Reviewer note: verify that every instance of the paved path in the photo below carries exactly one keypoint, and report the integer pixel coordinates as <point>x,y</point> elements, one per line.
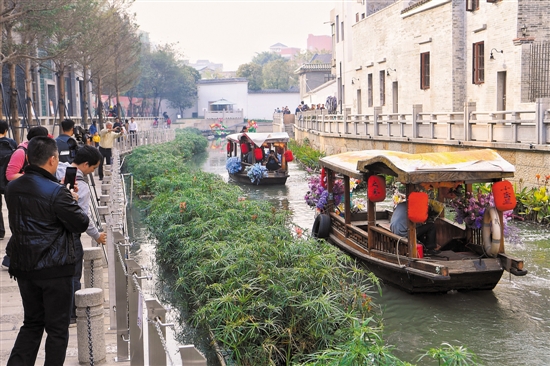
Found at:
<point>11,314</point>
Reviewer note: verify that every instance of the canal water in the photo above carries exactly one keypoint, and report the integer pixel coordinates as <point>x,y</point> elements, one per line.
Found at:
<point>508,326</point>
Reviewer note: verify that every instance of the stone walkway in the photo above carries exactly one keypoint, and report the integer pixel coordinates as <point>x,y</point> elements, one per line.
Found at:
<point>11,314</point>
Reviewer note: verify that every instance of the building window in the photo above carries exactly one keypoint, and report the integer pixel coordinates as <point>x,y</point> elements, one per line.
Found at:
<point>369,90</point>
<point>425,70</point>
<point>382,87</point>
<point>478,63</point>
<point>356,17</point>
<point>342,30</point>
<point>472,5</point>
<point>337,29</point>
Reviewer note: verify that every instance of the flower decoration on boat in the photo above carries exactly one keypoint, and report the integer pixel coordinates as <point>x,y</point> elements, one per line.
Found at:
<point>470,208</point>
<point>357,205</point>
<point>256,172</point>
<point>317,196</point>
<point>252,126</point>
<point>233,165</point>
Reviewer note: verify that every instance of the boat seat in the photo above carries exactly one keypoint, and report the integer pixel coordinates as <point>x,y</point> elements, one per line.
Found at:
<point>383,224</point>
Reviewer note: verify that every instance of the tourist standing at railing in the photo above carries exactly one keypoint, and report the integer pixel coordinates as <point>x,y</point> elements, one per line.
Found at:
<point>86,161</point>
<point>43,216</point>
<point>132,130</point>
<point>107,139</point>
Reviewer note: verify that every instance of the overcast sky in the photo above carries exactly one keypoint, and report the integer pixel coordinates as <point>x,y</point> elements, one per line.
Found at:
<point>232,32</point>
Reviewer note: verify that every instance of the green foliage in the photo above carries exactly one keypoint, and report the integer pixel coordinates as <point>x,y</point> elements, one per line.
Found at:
<point>253,72</point>
<point>448,355</point>
<point>276,74</point>
<point>305,154</point>
<point>533,203</point>
<point>151,161</point>
<point>267,296</point>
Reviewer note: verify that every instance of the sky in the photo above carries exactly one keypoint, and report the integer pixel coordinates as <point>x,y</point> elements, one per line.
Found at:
<point>231,32</point>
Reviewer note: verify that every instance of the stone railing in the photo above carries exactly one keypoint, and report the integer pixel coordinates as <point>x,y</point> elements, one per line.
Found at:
<point>522,129</point>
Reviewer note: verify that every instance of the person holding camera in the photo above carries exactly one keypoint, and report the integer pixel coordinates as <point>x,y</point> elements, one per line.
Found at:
<point>107,138</point>
<point>272,161</point>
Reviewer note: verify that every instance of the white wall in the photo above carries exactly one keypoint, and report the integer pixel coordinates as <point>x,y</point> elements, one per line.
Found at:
<point>235,92</point>
<point>262,105</point>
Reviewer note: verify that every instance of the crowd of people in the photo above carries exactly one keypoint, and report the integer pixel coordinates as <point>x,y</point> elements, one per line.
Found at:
<point>48,210</point>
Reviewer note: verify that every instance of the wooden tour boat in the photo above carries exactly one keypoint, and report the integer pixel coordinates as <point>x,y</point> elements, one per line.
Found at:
<point>250,150</point>
<point>470,259</point>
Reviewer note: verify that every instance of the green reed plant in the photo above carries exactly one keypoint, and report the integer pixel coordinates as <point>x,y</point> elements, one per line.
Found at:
<point>305,154</point>
<point>448,355</point>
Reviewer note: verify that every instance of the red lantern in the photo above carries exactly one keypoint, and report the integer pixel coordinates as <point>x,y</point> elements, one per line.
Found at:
<point>244,148</point>
<point>323,176</point>
<point>258,154</point>
<point>417,207</point>
<point>503,193</point>
<point>288,156</point>
<point>229,147</point>
<point>376,191</point>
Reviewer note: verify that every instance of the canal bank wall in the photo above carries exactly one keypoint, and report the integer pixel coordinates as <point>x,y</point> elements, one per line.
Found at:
<point>520,137</point>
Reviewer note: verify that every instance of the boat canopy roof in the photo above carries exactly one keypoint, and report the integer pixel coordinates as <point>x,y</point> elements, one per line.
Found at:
<point>469,165</point>
<point>259,138</point>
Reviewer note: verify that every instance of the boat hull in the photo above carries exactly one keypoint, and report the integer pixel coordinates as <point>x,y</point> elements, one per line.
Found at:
<point>470,275</point>
<point>273,178</point>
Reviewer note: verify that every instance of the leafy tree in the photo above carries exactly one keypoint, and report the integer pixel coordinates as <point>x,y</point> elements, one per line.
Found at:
<point>266,57</point>
<point>183,91</point>
<point>253,72</point>
<point>276,74</point>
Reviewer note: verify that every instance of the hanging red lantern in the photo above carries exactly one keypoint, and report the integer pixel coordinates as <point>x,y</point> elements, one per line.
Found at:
<point>323,176</point>
<point>258,154</point>
<point>288,156</point>
<point>417,207</point>
<point>376,191</point>
<point>503,193</point>
<point>229,147</point>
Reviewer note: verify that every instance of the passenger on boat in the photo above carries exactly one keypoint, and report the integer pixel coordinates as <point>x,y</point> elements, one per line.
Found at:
<point>245,148</point>
<point>272,161</point>
<point>425,233</point>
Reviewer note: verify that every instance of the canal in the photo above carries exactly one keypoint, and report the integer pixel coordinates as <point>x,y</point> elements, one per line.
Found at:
<point>507,326</point>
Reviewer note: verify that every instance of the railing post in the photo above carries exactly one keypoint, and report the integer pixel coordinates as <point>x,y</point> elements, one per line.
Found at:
<point>93,267</point>
<point>156,313</point>
<point>469,108</point>
<point>135,313</point>
<point>377,112</point>
<point>89,326</point>
<point>541,106</point>
<point>417,109</point>
<point>191,356</point>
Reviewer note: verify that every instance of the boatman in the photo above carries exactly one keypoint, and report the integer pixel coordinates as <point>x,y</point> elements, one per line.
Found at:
<point>425,233</point>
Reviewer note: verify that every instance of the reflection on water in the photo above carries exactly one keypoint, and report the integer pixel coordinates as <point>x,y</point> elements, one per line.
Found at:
<point>507,326</point>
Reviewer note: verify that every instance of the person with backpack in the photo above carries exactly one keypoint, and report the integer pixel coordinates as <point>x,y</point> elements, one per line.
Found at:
<point>66,144</point>
<point>17,164</point>
<point>7,147</point>
<point>18,160</point>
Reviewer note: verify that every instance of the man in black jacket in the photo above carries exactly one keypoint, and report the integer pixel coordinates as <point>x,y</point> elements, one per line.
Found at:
<point>43,215</point>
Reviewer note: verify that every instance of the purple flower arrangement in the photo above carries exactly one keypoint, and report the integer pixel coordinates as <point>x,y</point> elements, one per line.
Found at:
<point>470,208</point>
<point>317,196</point>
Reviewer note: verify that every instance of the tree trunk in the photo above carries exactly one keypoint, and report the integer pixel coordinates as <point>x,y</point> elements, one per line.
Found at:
<point>1,62</point>
<point>84,96</point>
<point>61,93</point>
<point>99,103</point>
<point>29,89</point>
<point>13,105</point>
